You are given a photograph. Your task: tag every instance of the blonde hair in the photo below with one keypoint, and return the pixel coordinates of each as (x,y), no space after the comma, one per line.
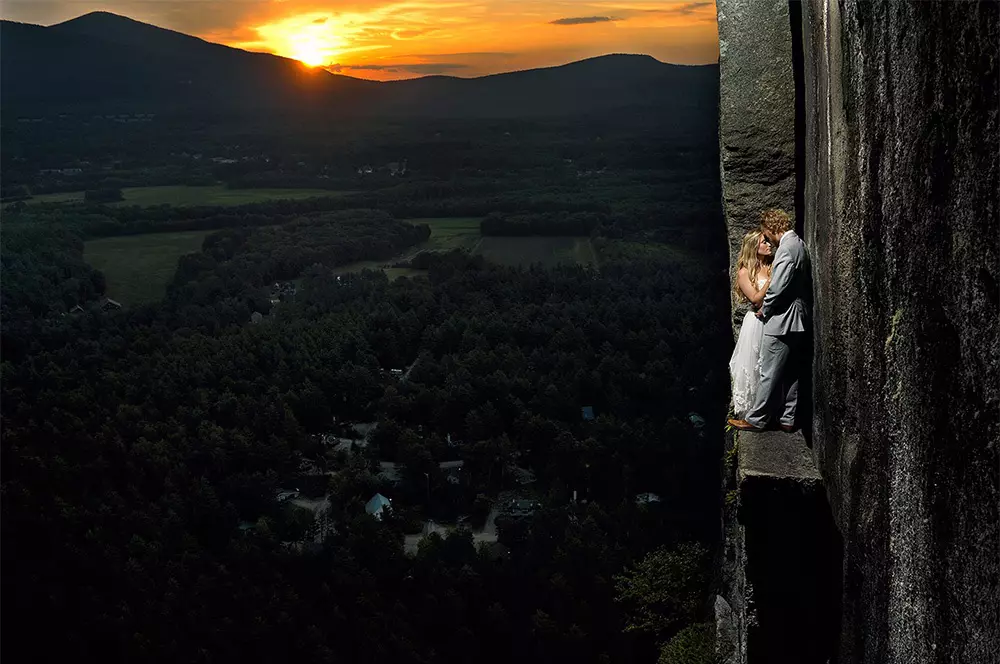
(775,221)
(748,259)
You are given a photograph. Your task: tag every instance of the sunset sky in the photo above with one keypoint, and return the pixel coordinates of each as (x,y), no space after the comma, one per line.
(382,39)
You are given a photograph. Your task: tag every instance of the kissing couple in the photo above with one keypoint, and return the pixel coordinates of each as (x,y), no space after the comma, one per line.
(773,275)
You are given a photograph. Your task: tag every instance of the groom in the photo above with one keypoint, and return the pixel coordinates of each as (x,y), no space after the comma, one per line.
(785,314)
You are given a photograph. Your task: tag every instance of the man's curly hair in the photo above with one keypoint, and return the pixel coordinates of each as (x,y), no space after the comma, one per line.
(775,221)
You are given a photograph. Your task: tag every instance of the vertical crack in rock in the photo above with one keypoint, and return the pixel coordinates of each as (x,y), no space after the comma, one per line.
(756,116)
(901,208)
(903,220)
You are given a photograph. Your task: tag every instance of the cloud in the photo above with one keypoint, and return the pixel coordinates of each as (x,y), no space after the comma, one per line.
(413,68)
(470,54)
(434,67)
(686,9)
(692,7)
(411,33)
(432,36)
(583,20)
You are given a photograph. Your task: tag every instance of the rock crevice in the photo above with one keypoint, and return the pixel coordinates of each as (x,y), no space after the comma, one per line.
(897,159)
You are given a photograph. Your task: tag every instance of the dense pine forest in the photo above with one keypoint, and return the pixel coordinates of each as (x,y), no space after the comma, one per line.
(163,460)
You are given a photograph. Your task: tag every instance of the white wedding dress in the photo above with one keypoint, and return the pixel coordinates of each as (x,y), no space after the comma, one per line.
(744,366)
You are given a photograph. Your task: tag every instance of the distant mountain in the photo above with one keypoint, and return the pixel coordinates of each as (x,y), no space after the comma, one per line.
(102,61)
(106,61)
(598,84)
(129,32)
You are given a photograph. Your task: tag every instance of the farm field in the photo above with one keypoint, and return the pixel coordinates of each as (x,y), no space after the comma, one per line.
(447,233)
(463,233)
(614,250)
(139,267)
(549,251)
(184,195)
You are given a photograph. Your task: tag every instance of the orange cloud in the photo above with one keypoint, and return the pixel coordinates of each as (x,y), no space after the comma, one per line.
(404,38)
(378,39)
(584,20)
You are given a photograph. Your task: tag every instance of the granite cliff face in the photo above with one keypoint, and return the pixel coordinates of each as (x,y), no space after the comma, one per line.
(897,137)
(901,196)
(756,116)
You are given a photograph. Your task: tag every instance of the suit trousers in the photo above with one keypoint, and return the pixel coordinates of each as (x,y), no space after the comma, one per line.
(780,370)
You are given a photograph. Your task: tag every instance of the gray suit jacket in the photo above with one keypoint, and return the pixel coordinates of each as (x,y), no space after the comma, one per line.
(786,303)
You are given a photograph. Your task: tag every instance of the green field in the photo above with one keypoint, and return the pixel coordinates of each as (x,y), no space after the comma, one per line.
(447,233)
(549,251)
(183,195)
(611,251)
(139,267)
(463,233)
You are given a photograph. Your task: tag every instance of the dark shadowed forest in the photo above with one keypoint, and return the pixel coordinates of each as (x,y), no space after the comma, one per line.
(512,331)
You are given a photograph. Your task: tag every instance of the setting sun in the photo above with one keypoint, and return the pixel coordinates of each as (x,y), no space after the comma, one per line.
(312,39)
(395,39)
(310,54)
(392,39)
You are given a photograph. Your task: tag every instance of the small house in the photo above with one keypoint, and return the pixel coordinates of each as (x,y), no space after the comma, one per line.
(378,505)
(107,304)
(522,476)
(388,471)
(520,508)
(646,499)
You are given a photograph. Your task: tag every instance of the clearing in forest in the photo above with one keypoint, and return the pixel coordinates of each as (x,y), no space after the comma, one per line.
(138,268)
(549,251)
(447,233)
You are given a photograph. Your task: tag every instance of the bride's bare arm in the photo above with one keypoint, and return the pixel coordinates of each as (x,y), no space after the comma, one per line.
(755,296)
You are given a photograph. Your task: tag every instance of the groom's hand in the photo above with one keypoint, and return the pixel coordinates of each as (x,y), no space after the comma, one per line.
(759,313)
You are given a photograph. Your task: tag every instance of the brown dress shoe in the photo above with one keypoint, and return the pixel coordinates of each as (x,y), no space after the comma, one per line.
(789,428)
(743,425)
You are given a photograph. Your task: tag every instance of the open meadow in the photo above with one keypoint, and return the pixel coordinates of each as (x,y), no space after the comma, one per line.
(447,233)
(139,267)
(548,251)
(464,233)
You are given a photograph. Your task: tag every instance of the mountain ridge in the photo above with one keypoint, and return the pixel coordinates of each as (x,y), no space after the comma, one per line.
(120,62)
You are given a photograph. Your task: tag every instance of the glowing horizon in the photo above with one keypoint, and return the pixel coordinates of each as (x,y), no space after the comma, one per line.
(384,40)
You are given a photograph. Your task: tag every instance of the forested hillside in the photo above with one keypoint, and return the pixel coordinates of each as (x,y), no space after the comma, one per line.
(190,478)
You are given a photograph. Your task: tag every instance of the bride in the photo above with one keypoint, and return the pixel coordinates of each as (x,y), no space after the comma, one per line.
(753,276)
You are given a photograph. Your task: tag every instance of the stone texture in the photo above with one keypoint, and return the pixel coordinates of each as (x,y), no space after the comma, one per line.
(776,455)
(790,552)
(756,115)
(780,564)
(901,216)
(731,619)
(727,638)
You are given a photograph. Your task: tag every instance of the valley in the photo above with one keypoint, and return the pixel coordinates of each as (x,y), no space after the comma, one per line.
(407,382)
